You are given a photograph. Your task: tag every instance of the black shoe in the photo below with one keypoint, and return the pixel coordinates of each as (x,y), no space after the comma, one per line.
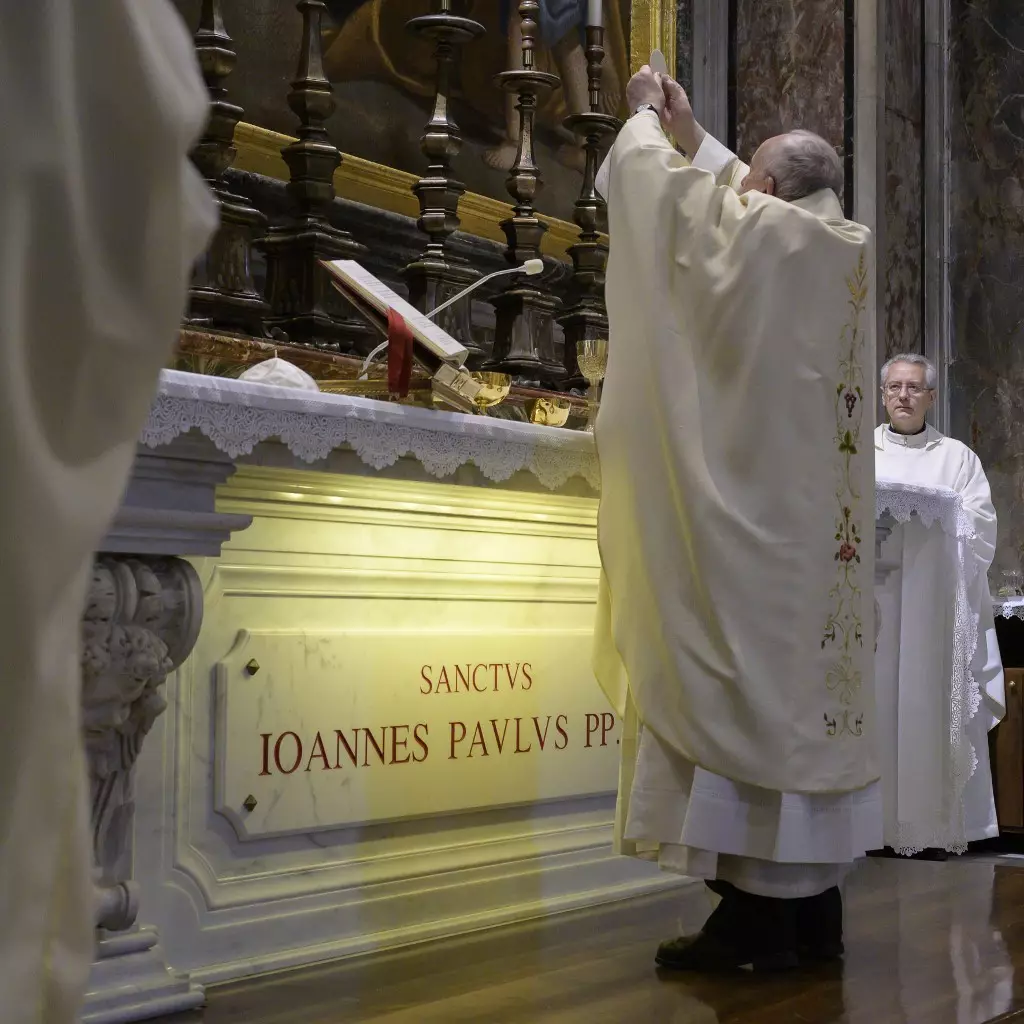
(743,930)
(819,926)
(708,952)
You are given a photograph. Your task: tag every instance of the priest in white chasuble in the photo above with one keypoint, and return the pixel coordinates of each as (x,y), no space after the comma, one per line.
(931,650)
(103,215)
(735,623)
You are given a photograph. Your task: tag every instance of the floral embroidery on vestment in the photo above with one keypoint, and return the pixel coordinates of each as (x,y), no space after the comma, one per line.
(844,627)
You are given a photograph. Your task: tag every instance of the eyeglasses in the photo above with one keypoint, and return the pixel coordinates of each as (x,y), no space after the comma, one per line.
(913,390)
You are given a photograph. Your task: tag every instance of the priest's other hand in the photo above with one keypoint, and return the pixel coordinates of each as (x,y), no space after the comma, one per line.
(645,87)
(678,120)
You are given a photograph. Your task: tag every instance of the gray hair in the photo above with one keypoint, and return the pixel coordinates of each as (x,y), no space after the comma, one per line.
(931,375)
(803,164)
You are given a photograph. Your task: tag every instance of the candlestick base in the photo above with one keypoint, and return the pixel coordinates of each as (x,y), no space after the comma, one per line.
(524,343)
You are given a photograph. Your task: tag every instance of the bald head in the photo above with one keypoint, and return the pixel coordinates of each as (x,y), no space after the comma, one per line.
(793,166)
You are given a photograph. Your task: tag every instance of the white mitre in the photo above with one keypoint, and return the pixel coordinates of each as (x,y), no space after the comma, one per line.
(280,373)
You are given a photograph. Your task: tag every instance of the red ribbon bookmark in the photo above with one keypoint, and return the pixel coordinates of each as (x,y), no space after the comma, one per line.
(399,354)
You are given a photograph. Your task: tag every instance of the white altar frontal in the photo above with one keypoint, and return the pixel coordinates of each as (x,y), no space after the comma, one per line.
(370,625)
(337,687)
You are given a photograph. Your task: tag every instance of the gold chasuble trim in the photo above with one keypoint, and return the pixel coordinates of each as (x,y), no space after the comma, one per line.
(844,628)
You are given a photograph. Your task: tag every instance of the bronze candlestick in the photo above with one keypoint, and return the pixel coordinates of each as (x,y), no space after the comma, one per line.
(223,293)
(303,301)
(524,332)
(586,318)
(436,275)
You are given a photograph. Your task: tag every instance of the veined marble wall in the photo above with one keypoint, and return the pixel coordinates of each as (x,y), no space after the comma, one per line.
(684,43)
(789,59)
(987,250)
(902,238)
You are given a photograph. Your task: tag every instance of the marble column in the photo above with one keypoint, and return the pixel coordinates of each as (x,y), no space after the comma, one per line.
(788,69)
(142,619)
(901,249)
(986,268)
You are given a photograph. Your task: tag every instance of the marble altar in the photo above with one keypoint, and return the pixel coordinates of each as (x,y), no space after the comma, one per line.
(338,693)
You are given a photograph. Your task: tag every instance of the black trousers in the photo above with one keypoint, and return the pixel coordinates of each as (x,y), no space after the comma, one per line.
(809,925)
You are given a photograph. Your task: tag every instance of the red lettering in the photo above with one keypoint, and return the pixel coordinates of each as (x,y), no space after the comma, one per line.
(499,740)
(421,741)
(527,669)
(423,675)
(478,741)
(593,721)
(495,666)
(512,678)
(277,753)
(318,751)
(461,677)
(265,736)
(479,689)
(452,739)
(443,678)
(560,723)
(607,724)
(396,743)
(542,737)
(352,749)
(370,740)
(519,748)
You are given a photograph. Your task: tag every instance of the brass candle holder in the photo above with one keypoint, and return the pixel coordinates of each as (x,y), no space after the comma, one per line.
(436,274)
(586,317)
(524,343)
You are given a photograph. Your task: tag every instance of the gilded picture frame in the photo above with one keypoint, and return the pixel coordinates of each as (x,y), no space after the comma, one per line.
(652,26)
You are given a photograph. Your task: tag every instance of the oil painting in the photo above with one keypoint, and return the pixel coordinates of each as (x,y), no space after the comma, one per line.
(383,78)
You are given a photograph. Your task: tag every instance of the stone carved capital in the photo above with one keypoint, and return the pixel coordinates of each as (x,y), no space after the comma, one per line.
(141,621)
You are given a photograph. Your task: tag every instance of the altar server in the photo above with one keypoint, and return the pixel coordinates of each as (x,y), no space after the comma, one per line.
(934,809)
(735,627)
(102,217)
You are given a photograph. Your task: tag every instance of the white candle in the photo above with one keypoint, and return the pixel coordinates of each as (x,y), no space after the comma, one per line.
(594,13)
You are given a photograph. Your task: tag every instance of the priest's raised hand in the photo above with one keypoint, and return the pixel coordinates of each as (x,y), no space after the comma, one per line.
(645,90)
(677,118)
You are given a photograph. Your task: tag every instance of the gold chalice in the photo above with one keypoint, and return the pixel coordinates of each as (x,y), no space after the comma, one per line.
(494,388)
(592,355)
(549,412)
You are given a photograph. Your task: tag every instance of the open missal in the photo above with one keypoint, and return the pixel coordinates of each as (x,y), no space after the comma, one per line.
(399,322)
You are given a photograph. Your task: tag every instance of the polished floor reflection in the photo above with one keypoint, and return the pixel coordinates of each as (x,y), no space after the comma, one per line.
(926,944)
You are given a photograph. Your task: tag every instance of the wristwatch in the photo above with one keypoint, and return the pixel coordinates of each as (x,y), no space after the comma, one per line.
(645,106)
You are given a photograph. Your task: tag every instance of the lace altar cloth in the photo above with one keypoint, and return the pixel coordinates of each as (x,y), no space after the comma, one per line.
(1008,607)
(237,415)
(943,506)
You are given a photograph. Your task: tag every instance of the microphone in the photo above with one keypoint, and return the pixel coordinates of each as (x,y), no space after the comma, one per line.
(531,268)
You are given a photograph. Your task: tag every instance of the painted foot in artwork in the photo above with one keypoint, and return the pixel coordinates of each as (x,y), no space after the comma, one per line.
(501,157)
(572,157)
(611,94)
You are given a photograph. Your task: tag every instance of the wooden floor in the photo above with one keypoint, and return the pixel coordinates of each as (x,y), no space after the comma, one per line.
(926,944)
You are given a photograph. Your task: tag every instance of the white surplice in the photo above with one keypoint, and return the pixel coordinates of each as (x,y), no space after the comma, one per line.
(922,806)
(103,215)
(721,545)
